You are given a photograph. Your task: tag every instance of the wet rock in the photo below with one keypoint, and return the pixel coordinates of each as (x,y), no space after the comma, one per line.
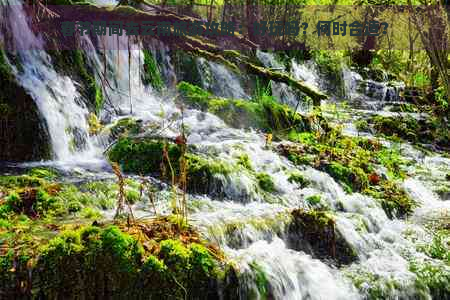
(315,233)
(23,132)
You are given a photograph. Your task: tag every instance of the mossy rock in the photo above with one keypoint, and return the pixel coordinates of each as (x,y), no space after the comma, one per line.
(315,233)
(125,127)
(143,156)
(96,262)
(202,175)
(265,182)
(430,130)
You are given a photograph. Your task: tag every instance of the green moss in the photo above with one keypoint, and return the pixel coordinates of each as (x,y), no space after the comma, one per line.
(362,125)
(351,178)
(21,181)
(314,200)
(47,204)
(132,196)
(124,127)
(393,199)
(263,112)
(430,130)
(201,173)
(314,232)
(299,179)
(142,157)
(260,280)
(90,213)
(439,248)
(374,286)
(265,182)
(244,161)
(352,163)
(151,72)
(44,173)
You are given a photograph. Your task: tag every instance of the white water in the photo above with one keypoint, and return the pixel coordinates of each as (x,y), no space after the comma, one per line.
(55,95)
(382,245)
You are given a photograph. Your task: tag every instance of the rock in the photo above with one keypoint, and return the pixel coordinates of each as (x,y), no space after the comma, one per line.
(23,132)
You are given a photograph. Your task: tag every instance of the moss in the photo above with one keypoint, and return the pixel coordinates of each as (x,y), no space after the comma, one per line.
(362,125)
(44,173)
(352,163)
(151,73)
(439,246)
(314,232)
(430,130)
(21,181)
(132,196)
(201,173)
(124,127)
(314,200)
(90,213)
(393,199)
(263,112)
(265,182)
(261,280)
(299,179)
(142,157)
(351,178)
(244,161)
(374,286)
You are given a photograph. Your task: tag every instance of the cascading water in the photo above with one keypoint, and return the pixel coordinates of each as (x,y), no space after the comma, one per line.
(369,93)
(260,243)
(55,95)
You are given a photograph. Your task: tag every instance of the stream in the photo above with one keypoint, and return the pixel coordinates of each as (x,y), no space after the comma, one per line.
(260,241)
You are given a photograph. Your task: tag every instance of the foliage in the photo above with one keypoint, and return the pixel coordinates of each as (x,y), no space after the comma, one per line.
(265,182)
(151,73)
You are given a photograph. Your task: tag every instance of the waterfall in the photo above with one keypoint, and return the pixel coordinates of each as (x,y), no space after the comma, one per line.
(56,96)
(219,80)
(369,93)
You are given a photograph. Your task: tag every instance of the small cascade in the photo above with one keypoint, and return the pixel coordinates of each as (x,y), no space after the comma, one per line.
(369,93)
(219,80)
(301,71)
(280,91)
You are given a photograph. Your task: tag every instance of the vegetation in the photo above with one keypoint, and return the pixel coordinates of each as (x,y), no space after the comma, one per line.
(263,112)
(151,72)
(353,162)
(60,238)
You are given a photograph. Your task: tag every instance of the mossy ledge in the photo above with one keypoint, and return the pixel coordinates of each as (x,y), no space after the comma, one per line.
(353,163)
(145,156)
(114,261)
